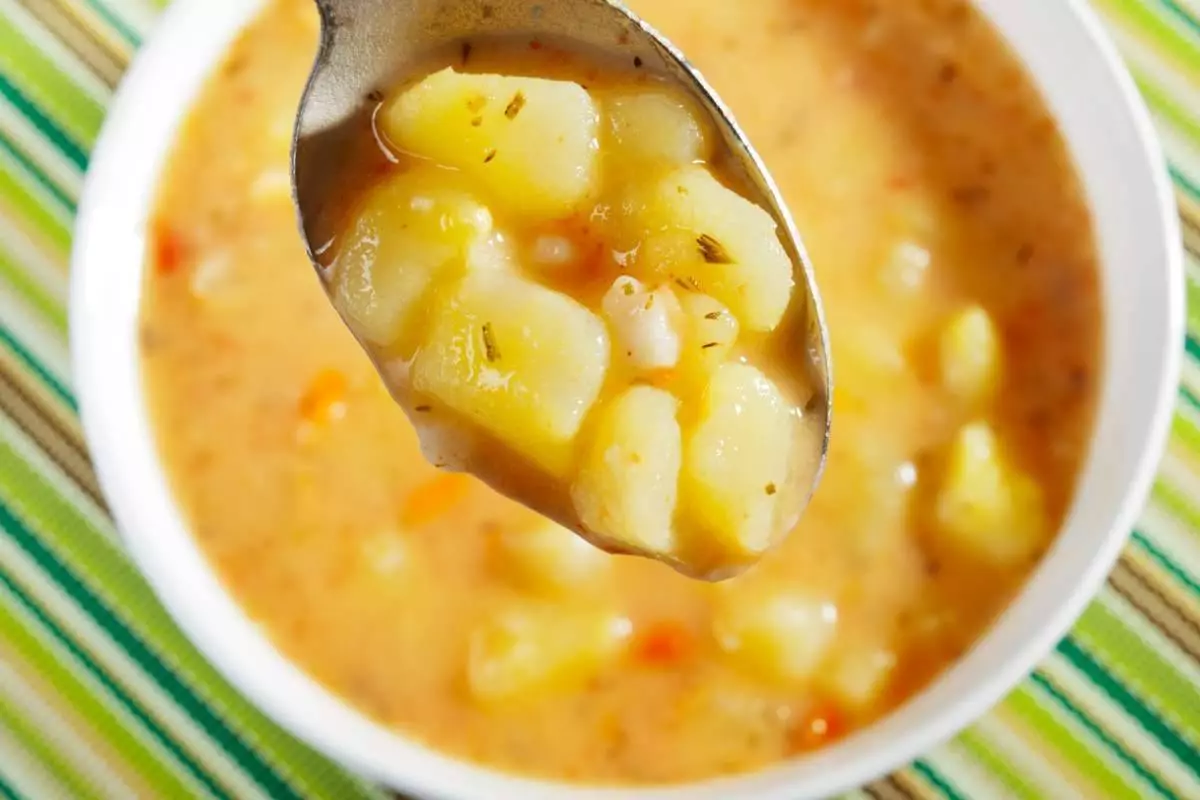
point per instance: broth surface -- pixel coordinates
(924, 175)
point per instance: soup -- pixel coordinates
(548, 258)
(956, 261)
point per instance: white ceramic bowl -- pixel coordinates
(1110, 135)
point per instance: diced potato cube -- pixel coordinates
(547, 557)
(530, 648)
(781, 636)
(626, 487)
(970, 354)
(859, 675)
(694, 230)
(985, 505)
(654, 125)
(532, 142)
(408, 233)
(521, 361)
(711, 331)
(643, 323)
(737, 462)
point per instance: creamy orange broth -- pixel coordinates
(891, 128)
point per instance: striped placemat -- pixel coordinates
(101, 697)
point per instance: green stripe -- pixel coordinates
(15, 194)
(33, 293)
(1183, 181)
(7, 791)
(272, 784)
(34, 171)
(1166, 38)
(35, 366)
(85, 701)
(1177, 503)
(9, 524)
(1186, 433)
(974, 744)
(1193, 305)
(76, 113)
(926, 771)
(1111, 744)
(1163, 560)
(48, 753)
(45, 126)
(1084, 760)
(1129, 657)
(1165, 103)
(80, 547)
(119, 25)
(1151, 666)
(1181, 14)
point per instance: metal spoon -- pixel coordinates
(371, 44)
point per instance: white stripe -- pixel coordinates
(1150, 66)
(59, 483)
(962, 772)
(62, 735)
(1174, 472)
(1172, 537)
(1109, 716)
(1078, 731)
(25, 774)
(129, 675)
(61, 170)
(1191, 375)
(1183, 154)
(47, 345)
(137, 15)
(55, 51)
(1047, 777)
(94, 688)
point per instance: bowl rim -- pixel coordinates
(141, 501)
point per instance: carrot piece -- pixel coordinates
(169, 248)
(325, 398)
(665, 643)
(434, 499)
(825, 723)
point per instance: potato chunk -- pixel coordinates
(986, 506)
(969, 352)
(781, 636)
(737, 462)
(711, 331)
(859, 675)
(694, 230)
(626, 487)
(653, 125)
(532, 142)
(544, 556)
(643, 323)
(522, 362)
(408, 232)
(529, 648)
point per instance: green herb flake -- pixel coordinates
(475, 103)
(627, 289)
(712, 251)
(490, 351)
(515, 105)
(714, 315)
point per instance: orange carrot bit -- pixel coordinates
(434, 499)
(325, 398)
(665, 643)
(825, 723)
(170, 249)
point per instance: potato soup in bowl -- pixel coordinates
(954, 245)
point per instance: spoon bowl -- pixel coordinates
(368, 45)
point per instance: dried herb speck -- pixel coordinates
(476, 122)
(637, 62)
(475, 103)
(423, 409)
(771, 489)
(707, 345)
(712, 251)
(714, 315)
(375, 96)
(688, 284)
(627, 289)
(487, 158)
(649, 302)
(466, 52)
(515, 105)
(490, 351)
